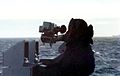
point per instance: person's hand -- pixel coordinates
(46, 61)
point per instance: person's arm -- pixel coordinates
(52, 62)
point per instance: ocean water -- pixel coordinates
(107, 53)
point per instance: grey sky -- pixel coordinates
(27, 15)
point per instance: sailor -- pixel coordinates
(78, 57)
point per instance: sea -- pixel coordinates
(107, 53)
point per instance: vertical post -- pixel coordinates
(26, 52)
(37, 47)
(36, 52)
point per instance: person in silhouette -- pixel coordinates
(77, 58)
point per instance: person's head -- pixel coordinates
(78, 28)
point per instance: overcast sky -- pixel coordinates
(21, 18)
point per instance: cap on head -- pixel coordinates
(79, 25)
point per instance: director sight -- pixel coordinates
(50, 32)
